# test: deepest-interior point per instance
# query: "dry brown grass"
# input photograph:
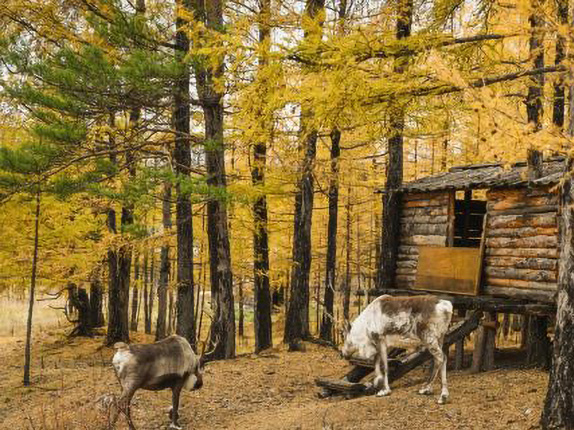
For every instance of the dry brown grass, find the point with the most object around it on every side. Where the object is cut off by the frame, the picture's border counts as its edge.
(274, 390)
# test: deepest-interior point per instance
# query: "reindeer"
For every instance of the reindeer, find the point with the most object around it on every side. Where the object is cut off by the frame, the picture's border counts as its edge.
(424, 319)
(169, 363)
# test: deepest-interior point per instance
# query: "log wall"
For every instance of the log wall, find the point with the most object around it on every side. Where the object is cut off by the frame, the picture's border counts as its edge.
(521, 248)
(424, 222)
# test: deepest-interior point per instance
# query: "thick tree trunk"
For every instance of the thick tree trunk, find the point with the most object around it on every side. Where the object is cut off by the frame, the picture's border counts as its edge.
(223, 327)
(391, 196)
(558, 96)
(164, 269)
(185, 325)
(28, 347)
(297, 317)
(96, 299)
(262, 296)
(331, 265)
(558, 410)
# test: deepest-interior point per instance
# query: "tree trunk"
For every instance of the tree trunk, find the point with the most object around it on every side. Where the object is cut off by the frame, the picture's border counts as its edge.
(96, 299)
(28, 347)
(146, 293)
(297, 317)
(135, 296)
(160, 330)
(331, 265)
(559, 404)
(391, 196)
(262, 296)
(185, 325)
(347, 285)
(559, 99)
(223, 326)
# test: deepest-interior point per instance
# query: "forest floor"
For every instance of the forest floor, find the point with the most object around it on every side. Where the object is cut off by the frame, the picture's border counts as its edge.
(273, 390)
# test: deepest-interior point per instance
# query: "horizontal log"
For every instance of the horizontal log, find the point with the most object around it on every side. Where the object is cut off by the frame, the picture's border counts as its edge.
(520, 293)
(522, 232)
(431, 211)
(405, 278)
(425, 203)
(518, 221)
(409, 229)
(522, 202)
(518, 193)
(523, 252)
(426, 196)
(526, 242)
(517, 283)
(424, 219)
(408, 250)
(521, 274)
(526, 211)
(406, 271)
(407, 264)
(522, 263)
(423, 240)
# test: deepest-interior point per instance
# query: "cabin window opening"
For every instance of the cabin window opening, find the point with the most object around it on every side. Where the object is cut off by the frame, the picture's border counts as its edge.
(469, 212)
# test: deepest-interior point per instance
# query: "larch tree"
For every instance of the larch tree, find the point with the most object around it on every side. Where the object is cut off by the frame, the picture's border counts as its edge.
(297, 317)
(261, 291)
(208, 76)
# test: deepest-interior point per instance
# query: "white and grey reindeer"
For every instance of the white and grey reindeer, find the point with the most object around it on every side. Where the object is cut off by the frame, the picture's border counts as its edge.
(169, 363)
(424, 319)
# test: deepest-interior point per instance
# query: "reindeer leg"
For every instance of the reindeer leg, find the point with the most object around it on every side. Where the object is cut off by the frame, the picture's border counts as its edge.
(382, 359)
(174, 411)
(123, 406)
(438, 356)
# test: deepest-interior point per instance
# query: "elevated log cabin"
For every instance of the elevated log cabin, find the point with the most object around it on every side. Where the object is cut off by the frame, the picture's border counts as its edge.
(481, 230)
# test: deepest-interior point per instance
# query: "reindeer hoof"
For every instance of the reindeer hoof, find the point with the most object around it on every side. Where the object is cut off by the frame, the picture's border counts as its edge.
(443, 399)
(425, 391)
(383, 393)
(175, 426)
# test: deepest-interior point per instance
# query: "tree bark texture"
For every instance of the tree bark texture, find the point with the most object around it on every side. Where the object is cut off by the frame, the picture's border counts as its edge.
(164, 269)
(211, 99)
(261, 291)
(391, 197)
(558, 412)
(28, 347)
(297, 317)
(185, 321)
(331, 264)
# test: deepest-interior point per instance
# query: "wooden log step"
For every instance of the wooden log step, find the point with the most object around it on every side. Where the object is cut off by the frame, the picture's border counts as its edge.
(523, 252)
(516, 283)
(522, 263)
(521, 274)
(519, 221)
(341, 386)
(526, 242)
(522, 232)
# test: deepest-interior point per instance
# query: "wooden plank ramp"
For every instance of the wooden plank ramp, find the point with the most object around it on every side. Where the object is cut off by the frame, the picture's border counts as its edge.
(399, 365)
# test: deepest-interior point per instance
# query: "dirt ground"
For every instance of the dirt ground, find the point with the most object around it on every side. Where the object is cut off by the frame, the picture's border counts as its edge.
(274, 390)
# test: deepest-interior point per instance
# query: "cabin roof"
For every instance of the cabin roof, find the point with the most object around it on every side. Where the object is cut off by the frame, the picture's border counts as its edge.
(492, 175)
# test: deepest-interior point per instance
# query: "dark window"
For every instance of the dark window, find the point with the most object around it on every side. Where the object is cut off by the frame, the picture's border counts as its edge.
(469, 213)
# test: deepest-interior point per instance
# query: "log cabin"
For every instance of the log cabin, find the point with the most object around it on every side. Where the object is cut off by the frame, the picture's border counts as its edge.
(481, 230)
